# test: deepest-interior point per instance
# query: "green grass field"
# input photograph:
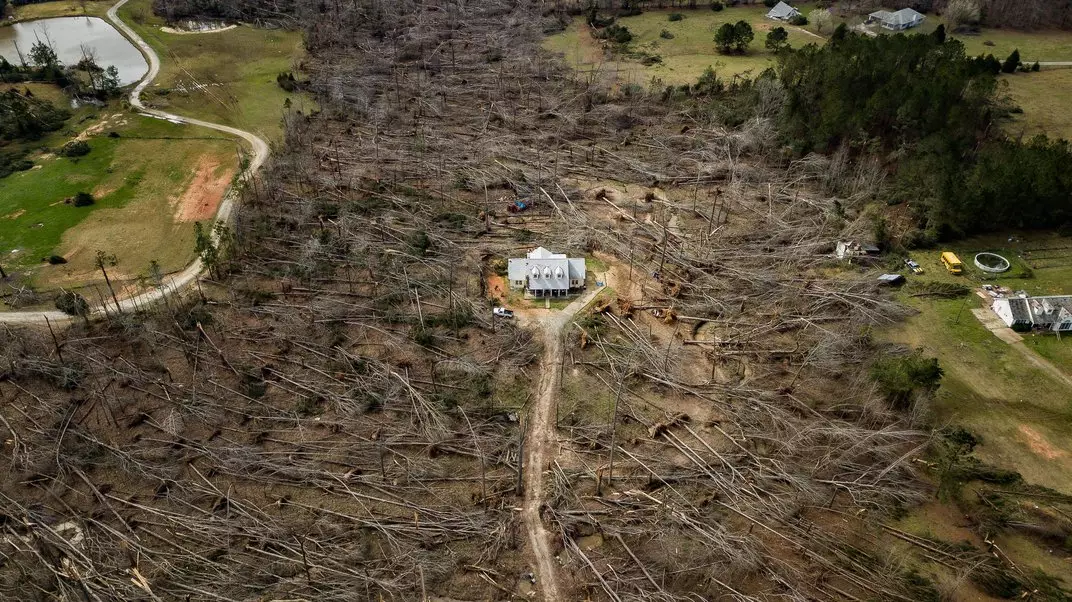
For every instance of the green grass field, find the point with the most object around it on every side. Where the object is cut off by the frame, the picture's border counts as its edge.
(62, 8)
(137, 179)
(1044, 98)
(227, 77)
(1022, 414)
(684, 57)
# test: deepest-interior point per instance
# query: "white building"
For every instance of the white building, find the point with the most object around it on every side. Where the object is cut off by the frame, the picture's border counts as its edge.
(1044, 313)
(906, 18)
(546, 274)
(783, 12)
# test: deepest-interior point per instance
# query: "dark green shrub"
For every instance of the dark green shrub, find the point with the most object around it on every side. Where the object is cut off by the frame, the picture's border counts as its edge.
(900, 377)
(717, 6)
(77, 148)
(56, 260)
(676, 17)
(84, 199)
(666, 35)
(71, 303)
(799, 21)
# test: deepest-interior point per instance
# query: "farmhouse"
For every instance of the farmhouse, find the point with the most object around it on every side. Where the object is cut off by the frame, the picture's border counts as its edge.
(783, 12)
(546, 274)
(906, 18)
(1043, 313)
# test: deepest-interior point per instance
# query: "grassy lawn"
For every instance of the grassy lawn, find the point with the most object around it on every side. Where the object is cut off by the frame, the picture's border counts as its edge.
(1042, 45)
(62, 8)
(136, 178)
(1022, 415)
(687, 54)
(227, 77)
(1033, 45)
(1044, 98)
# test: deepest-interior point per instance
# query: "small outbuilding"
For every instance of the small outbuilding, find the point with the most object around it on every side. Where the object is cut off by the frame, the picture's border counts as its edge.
(783, 12)
(891, 279)
(906, 18)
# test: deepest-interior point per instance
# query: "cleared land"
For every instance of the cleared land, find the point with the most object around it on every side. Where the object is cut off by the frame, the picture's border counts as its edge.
(137, 179)
(687, 54)
(1021, 414)
(1044, 98)
(227, 77)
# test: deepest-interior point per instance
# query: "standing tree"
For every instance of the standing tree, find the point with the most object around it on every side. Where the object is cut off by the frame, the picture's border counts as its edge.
(962, 14)
(744, 35)
(104, 261)
(939, 33)
(777, 39)
(822, 19)
(734, 37)
(43, 55)
(725, 38)
(1012, 63)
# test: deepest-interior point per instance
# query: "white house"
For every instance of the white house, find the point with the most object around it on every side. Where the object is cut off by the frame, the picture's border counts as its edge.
(783, 12)
(546, 274)
(1043, 313)
(906, 18)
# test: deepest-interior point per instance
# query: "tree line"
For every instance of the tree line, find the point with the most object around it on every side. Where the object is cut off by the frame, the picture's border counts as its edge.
(934, 114)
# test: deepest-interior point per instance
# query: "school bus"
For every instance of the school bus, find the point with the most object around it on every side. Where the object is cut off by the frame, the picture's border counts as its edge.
(952, 263)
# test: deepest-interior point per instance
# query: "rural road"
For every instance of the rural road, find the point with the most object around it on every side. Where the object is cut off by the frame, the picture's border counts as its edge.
(540, 441)
(179, 280)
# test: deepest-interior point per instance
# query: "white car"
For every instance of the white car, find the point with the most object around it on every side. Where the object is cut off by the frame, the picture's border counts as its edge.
(502, 312)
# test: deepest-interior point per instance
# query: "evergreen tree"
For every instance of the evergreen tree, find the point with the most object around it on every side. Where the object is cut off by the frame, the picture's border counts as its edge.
(744, 35)
(777, 39)
(939, 33)
(1011, 63)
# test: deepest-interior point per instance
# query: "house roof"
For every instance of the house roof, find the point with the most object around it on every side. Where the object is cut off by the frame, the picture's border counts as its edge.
(891, 278)
(1019, 310)
(782, 11)
(577, 269)
(542, 253)
(901, 17)
(1049, 310)
(545, 270)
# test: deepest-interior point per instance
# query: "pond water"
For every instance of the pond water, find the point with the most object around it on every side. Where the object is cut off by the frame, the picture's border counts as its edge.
(67, 36)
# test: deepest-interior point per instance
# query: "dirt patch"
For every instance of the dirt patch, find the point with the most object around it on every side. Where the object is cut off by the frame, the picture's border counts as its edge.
(184, 32)
(97, 128)
(203, 195)
(15, 215)
(1039, 445)
(496, 287)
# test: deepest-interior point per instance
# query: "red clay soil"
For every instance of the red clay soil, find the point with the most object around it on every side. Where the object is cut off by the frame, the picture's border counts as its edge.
(204, 194)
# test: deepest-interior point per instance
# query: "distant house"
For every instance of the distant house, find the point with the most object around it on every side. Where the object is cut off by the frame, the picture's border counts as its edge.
(906, 18)
(546, 274)
(1043, 313)
(783, 12)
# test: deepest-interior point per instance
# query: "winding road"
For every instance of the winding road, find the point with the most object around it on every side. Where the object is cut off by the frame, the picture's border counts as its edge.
(179, 280)
(539, 445)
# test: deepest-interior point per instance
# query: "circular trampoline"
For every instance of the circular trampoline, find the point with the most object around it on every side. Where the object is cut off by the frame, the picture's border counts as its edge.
(992, 262)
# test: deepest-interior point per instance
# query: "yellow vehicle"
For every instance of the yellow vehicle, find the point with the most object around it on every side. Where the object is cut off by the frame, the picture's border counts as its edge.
(952, 263)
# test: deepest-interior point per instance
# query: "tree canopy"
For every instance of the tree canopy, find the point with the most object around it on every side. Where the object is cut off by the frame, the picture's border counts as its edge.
(734, 37)
(934, 114)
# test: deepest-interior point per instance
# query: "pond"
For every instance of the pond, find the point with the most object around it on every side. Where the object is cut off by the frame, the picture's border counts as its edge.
(67, 36)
